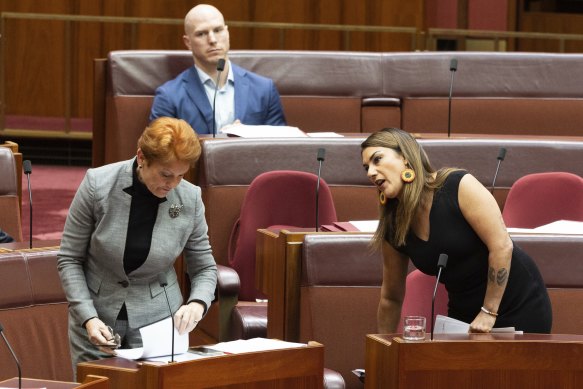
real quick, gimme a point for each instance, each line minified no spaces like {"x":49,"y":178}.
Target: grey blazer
{"x":90,"y":259}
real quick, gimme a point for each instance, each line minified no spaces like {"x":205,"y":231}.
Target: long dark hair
{"x":396,"y":215}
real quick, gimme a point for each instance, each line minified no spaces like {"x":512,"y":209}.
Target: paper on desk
{"x":255,"y":344}
{"x":562,"y":227}
{"x":448,"y":325}
{"x":365,"y":225}
{"x":324,"y":135}
{"x":565,"y":227}
{"x":263,"y":131}
{"x":157,"y":341}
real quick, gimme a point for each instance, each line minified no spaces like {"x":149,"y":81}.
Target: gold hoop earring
{"x":382,"y":198}
{"x":408,"y":175}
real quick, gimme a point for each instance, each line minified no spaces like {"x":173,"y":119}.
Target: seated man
{"x":242,"y":97}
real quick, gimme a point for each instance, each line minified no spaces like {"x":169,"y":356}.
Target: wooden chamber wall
{"x":36,"y":65}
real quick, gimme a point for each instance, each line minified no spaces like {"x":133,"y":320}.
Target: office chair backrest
{"x":541,"y":198}
{"x":277,"y":198}
{"x":10,"y":220}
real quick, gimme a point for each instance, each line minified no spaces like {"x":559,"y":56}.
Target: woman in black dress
{"x":490,"y":281}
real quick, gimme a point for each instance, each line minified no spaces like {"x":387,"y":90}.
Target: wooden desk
{"x":278,"y":272}
{"x":37,"y":245}
{"x":18,"y":161}
{"x":502,"y":361}
{"x":290,"y":368}
{"x":90,"y":382}
{"x":277,"y":275}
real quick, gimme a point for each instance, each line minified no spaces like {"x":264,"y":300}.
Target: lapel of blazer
{"x":241,"y":92}
{"x":195,"y":91}
{"x":115,"y":211}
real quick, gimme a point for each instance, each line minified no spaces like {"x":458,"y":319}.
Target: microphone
{"x":441,"y":264}
{"x":27,"y":167}
{"x":220,"y":68}
{"x":321,"y":153}
{"x":501,"y":156}
{"x":452,"y":69}
{"x":13,"y":356}
{"x":163,"y":283}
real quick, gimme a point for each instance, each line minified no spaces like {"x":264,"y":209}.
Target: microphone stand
{"x":163,"y":283}
{"x":501,"y":156}
{"x":441,"y":263}
{"x":220,"y":68}
{"x":320,"y":157}
{"x":28,"y":170}
{"x":13,"y":356}
{"x":452,"y":69}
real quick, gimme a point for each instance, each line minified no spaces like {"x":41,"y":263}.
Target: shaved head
{"x":200,"y":13}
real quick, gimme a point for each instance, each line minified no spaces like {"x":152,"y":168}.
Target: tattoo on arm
{"x":502,"y":277}
{"x":499,"y":277}
{"x":491,"y":274}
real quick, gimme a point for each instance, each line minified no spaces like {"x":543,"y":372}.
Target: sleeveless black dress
{"x":525,"y":304}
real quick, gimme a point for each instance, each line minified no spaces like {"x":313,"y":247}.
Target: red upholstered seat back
{"x":281,"y":197}
{"x":418,"y":298}
{"x":541,"y":198}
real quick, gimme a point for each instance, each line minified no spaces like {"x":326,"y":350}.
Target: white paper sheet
{"x":447,"y":325}
{"x":157,"y":342}
{"x":324,"y":135}
{"x":248,"y":131}
{"x":255,"y":344}
{"x":365,"y":225}
{"x":565,"y":227}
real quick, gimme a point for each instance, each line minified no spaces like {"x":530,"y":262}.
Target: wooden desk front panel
{"x":291,"y":368}
{"x":475,"y":361}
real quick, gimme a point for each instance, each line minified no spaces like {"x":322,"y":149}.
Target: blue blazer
{"x":257,"y":101}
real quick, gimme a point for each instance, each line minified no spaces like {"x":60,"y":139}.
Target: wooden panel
{"x":293,"y":368}
{"x":38,"y":72}
{"x":552,"y":23}
{"x":457,"y":362}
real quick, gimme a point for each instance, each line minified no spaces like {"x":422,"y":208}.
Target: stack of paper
{"x":447,"y":325}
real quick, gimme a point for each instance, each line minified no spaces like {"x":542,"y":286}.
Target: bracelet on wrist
{"x":489,"y":312}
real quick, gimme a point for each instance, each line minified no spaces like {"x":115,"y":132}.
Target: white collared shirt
{"x":225,"y":100}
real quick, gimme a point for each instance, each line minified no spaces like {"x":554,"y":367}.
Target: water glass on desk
{"x":414,"y":328}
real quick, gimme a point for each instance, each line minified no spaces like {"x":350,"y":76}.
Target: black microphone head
{"x":221,"y":64}
{"x":321,"y":154}
{"x":162,"y":279}
{"x":453,"y":65}
{"x":502,"y":154}
{"x":27,"y":167}
{"x":442,"y":261}
{"x":1,"y":327}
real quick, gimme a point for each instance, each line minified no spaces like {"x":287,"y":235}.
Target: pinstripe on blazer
{"x":90,"y":259}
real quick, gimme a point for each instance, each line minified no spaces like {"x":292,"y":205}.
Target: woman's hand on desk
{"x":482,"y":323}
{"x":188,"y":316}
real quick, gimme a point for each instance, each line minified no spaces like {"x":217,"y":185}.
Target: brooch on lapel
{"x":174,"y":210}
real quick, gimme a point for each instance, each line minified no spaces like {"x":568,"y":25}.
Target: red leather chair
{"x":418,"y":298}
{"x":9,"y":201}
{"x":274,"y":199}
{"x":541,"y":198}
